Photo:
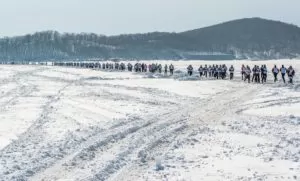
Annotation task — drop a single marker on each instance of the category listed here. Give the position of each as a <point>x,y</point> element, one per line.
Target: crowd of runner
<point>257,74</point>
<point>137,67</point>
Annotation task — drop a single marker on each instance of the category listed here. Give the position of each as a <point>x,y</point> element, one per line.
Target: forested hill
<point>252,38</point>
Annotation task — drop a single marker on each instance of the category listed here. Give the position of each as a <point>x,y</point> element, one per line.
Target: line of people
<point>137,67</point>
<point>215,71</point>
<point>259,74</point>
<point>153,68</point>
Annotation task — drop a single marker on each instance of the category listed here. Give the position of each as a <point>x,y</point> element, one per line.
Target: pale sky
<point>112,17</point>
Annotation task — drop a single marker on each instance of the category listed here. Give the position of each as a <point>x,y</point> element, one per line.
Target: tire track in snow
<point>114,137</point>
<point>197,117</point>
<point>21,90</point>
<point>34,133</point>
<point>35,141</point>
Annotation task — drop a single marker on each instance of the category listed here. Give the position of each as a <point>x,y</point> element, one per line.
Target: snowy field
<point>66,124</point>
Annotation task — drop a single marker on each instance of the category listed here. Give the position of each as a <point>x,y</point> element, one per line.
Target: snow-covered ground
<point>59,123</point>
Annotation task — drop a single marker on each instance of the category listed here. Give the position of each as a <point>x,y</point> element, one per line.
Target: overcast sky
<point>112,17</point>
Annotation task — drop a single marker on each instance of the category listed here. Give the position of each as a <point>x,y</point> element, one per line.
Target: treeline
<point>247,38</point>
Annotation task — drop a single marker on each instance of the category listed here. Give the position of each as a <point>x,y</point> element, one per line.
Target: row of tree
<point>246,38</point>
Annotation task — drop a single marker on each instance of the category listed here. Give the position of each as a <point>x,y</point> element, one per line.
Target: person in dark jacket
<point>291,74</point>
<point>190,70</point>
<point>247,74</point>
<point>216,70</point>
<point>231,71</point>
<point>254,73</point>
<point>200,71</point>
<point>171,68</point>
<point>264,73</point>
<point>166,69</point>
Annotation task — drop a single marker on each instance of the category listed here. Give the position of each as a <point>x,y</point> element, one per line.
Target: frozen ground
<point>77,124</point>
